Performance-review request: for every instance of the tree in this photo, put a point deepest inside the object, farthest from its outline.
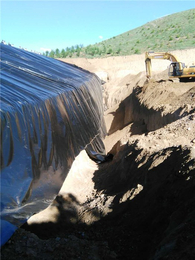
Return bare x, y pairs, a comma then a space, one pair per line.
109, 51
137, 51
118, 50
104, 49
72, 49
63, 53
57, 53
51, 54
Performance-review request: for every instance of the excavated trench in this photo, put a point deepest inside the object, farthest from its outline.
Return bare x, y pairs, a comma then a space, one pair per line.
135, 110
152, 179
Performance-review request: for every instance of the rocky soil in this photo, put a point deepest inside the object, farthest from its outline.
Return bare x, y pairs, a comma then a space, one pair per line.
141, 205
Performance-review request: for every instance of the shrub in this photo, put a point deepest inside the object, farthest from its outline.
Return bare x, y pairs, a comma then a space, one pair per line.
137, 51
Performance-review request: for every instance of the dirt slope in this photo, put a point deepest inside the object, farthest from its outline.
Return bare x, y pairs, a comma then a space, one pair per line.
141, 204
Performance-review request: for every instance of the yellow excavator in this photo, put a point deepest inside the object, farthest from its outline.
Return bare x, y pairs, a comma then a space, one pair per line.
176, 69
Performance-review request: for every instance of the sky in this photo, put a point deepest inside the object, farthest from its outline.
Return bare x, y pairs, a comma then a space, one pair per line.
46, 25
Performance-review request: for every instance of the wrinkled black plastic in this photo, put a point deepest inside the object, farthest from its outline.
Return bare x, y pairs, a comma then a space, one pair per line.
50, 111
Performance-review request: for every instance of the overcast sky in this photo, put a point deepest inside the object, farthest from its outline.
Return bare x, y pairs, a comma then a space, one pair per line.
40, 25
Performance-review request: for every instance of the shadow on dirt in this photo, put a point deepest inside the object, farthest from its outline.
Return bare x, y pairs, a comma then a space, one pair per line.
67, 220
152, 214
157, 222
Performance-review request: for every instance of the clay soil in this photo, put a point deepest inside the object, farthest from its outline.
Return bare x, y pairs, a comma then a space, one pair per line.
140, 205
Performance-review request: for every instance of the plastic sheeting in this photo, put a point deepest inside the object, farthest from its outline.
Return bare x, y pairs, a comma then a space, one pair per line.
50, 111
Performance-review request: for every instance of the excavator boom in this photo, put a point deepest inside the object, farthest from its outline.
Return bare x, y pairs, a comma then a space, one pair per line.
161, 55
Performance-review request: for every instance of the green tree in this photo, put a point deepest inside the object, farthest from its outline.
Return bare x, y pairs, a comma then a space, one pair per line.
104, 49
72, 50
78, 53
137, 51
57, 53
51, 54
109, 51
63, 53
118, 50
97, 51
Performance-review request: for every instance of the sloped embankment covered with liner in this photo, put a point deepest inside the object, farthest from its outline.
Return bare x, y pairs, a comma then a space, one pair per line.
50, 111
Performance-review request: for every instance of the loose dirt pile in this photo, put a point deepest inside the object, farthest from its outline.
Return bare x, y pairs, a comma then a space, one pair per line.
141, 205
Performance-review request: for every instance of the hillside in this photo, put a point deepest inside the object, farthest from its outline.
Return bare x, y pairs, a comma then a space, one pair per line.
172, 32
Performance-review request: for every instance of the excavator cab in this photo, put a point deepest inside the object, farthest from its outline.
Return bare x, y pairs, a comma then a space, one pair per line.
176, 69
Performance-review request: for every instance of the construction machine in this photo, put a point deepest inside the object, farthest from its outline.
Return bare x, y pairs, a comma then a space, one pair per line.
176, 69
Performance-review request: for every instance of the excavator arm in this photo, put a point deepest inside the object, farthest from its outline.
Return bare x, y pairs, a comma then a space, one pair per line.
157, 55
